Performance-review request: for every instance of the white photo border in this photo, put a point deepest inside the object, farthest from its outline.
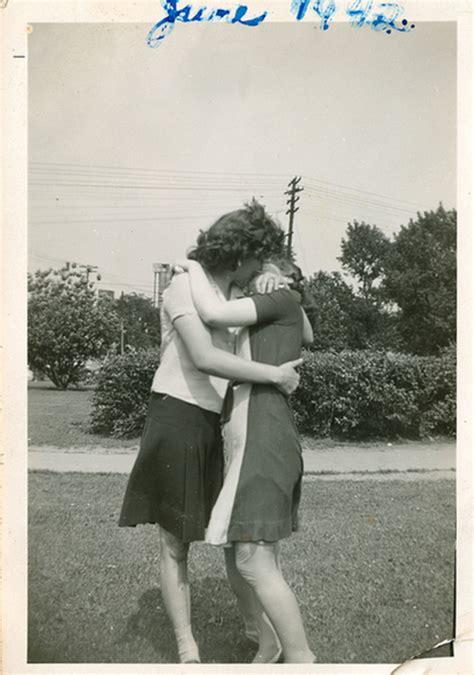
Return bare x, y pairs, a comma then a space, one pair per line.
15, 19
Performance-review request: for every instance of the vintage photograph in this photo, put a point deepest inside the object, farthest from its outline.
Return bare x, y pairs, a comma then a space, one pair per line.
242, 256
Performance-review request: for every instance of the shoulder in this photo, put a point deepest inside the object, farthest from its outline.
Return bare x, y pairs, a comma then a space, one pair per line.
281, 303
289, 295
178, 282
177, 298
178, 287
285, 297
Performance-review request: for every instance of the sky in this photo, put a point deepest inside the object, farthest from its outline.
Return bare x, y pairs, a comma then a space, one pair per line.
132, 150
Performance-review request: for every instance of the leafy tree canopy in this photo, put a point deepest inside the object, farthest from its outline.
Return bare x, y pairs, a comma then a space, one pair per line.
141, 320
363, 253
67, 324
420, 277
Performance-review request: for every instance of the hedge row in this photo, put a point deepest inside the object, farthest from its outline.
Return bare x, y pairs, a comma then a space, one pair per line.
370, 394
351, 394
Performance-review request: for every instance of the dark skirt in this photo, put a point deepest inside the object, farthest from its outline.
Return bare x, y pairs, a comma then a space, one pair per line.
178, 471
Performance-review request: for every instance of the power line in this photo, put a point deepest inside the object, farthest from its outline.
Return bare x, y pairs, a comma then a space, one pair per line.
39, 174
355, 200
118, 186
131, 219
345, 220
347, 187
157, 171
212, 174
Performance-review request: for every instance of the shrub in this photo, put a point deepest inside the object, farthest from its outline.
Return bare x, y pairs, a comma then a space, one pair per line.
374, 394
352, 394
123, 387
438, 397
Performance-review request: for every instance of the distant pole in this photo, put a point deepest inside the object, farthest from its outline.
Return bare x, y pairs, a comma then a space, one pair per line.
122, 327
291, 201
155, 284
122, 336
161, 278
88, 270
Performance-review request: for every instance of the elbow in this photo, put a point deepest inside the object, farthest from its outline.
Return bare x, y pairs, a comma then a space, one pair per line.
201, 360
210, 318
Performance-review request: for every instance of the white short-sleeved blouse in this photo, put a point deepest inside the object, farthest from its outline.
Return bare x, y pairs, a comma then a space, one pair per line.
177, 375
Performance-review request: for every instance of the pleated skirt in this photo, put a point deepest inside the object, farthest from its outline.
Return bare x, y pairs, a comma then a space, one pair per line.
178, 471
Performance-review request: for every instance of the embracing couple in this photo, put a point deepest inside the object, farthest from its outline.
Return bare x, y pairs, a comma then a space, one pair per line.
220, 458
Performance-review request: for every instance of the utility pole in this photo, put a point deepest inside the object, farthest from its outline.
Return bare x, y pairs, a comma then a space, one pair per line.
122, 336
88, 269
122, 328
293, 198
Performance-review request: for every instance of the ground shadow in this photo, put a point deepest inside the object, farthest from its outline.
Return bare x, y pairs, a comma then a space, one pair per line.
150, 624
216, 622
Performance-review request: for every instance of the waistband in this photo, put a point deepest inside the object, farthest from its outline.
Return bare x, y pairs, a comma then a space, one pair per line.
182, 411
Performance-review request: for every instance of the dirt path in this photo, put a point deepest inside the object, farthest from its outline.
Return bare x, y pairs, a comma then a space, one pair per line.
412, 460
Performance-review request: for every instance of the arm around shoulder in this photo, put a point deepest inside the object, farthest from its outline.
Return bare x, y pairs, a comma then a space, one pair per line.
212, 310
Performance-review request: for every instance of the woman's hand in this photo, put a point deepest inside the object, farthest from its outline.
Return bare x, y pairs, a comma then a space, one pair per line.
182, 265
287, 379
268, 282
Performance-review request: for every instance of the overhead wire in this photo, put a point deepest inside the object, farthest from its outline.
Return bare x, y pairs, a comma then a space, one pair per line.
157, 171
356, 201
368, 192
119, 281
177, 195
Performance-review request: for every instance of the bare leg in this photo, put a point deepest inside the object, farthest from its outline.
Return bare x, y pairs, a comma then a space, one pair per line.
176, 595
257, 563
257, 625
244, 594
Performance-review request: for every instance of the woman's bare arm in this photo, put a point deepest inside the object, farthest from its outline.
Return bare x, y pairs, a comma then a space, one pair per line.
214, 312
213, 361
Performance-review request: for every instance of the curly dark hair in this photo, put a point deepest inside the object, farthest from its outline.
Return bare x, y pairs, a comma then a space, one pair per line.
246, 233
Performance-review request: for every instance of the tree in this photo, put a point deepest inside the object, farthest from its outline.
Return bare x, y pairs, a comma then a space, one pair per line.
342, 319
67, 324
420, 277
374, 320
363, 254
327, 310
141, 320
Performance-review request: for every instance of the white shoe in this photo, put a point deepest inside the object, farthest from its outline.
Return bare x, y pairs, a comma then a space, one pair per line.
276, 658
252, 635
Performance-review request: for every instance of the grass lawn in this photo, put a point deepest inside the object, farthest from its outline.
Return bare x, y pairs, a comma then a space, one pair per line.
372, 566
61, 418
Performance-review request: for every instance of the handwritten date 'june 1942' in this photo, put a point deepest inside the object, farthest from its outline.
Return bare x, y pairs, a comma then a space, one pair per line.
379, 16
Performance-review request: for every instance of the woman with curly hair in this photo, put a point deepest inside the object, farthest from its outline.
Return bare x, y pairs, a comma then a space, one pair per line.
257, 506
177, 474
